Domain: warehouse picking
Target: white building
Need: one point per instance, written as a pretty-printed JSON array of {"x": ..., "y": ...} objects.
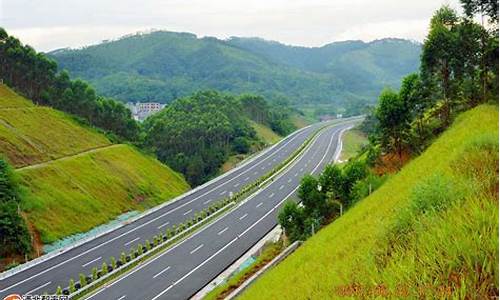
[{"x": 142, "y": 110}]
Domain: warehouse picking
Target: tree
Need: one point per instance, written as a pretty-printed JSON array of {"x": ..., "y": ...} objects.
[
  {"x": 393, "y": 116},
  {"x": 14, "y": 234},
  {"x": 438, "y": 54},
  {"x": 291, "y": 218},
  {"x": 331, "y": 180},
  {"x": 482, "y": 7},
  {"x": 416, "y": 97},
  {"x": 312, "y": 198}
]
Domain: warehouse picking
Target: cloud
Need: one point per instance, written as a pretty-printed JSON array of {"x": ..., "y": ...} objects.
[{"x": 50, "y": 24}]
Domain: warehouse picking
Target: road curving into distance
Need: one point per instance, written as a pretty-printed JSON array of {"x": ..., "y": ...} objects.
[
  {"x": 182, "y": 270},
  {"x": 57, "y": 270}
]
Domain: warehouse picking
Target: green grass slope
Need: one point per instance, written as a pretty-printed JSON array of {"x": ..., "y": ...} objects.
[
  {"x": 430, "y": 232},
  {"x": 30, "y": 134},
  {"x": 99, "y": 185},
  {"x": 75, "y": 178}
]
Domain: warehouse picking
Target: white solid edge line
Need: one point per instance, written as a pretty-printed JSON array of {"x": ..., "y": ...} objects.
[
  {"x": 137, "y": 227},
  {"x": 269, "y": 151},
  {"x": 208, "y": 226},
  {"x": 244, "y": 232}
]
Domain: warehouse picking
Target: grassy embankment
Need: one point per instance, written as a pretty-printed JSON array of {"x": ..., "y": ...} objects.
[
  {"x": 431, "y": 231},
  {"x": 78, "y": 179},
  {"x": 264, "y": 134},
  {"x": 352, "y": 141}
]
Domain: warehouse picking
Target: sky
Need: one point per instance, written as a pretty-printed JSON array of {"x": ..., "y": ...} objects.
[{"x": 52, "y": 24}]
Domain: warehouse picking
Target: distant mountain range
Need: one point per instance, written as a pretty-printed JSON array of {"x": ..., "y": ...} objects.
[{"x": 161, "y": 66}]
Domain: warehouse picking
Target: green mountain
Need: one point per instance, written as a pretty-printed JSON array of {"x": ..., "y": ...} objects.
[{"x": 162, "y": 66}]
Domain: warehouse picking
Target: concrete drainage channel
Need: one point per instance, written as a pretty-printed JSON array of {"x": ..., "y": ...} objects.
[{"x": 162, "y": 242}]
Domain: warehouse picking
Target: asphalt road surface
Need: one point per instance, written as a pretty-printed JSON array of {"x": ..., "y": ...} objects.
[
  {"x": 181, "y": 271},
  {"x": 56, "y": 271}
]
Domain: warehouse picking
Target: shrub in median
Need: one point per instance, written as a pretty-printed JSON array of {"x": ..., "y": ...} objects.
[
  {"x": 83, "y": 280},
  {"x": 71, "y": 287}
]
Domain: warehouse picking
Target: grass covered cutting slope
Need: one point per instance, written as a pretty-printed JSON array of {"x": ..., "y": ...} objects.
[
  {"x": 99, "y": 186},
  {"x": 31, "y": 134},
  {"x": 431, "y": 231},
  {"x": 75, "y": 178},
  {"x": 265, "y": 133}
]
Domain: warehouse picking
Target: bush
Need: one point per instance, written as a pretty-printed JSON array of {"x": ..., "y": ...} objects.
[
  {"x": 71, "y": 287},
  {"x": 83, "y": 280},
  {"x": 59, "y": 291},
  {"x": 113, "y": 262},
  {"x": 95, "y": 276},
  {"x": 123, "y": 258},
  {"x": 104, "y": 268}
]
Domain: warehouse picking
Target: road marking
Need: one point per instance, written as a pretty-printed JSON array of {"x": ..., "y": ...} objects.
[
  {"x": 37, "y": 288},
  {"x": 269, "y": 163},
  {"x": 298, "y": 133},
  {"x": 258, "y": 205},
  {"x": 190, "y": 238},
  {"x": 236, "y": 185},
  {"x": 272, "y": 194},
  {"x": 244, "y": 216},
  {"x": 305, "y": 165},
  {"x": 196, "y": 249},
  {"x": 246, "y": 179},
  {"x": 128, "y": 243},
  {"x": 296, "y": 174},
  {"x": 222, "y": 193},
  {"x": 189, "y": 211},
  {"x": 122, "y": 297},
  {"x": 289, "y": 180},
  {"x": 274, "y": 159},
  {"x": 223, "y": 248},
  {"x": 222, "y": 231},
  {"x": 208, "y": 201},
  {"x": 94, "y": 260},
  {"x": 163, "y": 225},
  {"x": 281, "y": 187},
  {"x": 301, "y": 169},
  {"x": 161, "y": 272}
]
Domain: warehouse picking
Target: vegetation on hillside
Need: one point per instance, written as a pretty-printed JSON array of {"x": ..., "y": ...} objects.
[
  {"x": 163, "y": 66},
  {"x": 14, "y": 235},
  {"x": 66, "y": 170},
  {"x": 30, "y": 134},
  {"x": 38, "y": 78},
  {"x": 100, "y": 186},
  {"x": 459, "y": 70},
  {"x": 196, "y": 135},
  {"x": 431, "y": 231}
]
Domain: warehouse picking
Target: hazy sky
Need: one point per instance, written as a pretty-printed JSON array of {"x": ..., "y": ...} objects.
[{"x": 51, "y": 24}]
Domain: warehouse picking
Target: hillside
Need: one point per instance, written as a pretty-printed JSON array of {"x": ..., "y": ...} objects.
[
  {"x": 431, "y": 231},
  {"x": 70, "y": 171},
  {"x": 162, "y": 66}
]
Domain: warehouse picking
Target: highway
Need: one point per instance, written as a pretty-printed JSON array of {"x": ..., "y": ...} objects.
[
  {"x": 56, "y": 271},
  {"x": 182, "y": 270}
]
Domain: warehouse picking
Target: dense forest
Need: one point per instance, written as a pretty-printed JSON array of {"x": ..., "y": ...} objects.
[
  {"x": 458, "y": 71},
  {"x": 195, "y": 135},
  {"x": 162, "y": 66}
]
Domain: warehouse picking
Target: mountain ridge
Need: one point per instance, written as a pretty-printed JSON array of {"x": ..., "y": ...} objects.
[{"x": 164, "y": 65}]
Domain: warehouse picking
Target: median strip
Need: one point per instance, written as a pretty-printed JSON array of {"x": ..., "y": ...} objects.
[{"x": 175, "y": 234}]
